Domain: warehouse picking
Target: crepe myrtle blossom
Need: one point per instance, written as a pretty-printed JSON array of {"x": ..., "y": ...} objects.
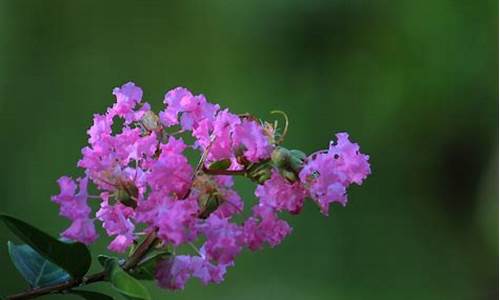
[{"x": 146, "y": 185}]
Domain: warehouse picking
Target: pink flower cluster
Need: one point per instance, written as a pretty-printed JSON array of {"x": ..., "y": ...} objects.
[{"x": 146, "y": 181}]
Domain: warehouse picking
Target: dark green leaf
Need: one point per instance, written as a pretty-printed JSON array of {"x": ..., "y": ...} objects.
[
  {"x": 34, "y": 268},
  {"x": 220, "y": 164},
  {"x": 74, "y": 258},
  {"x": 88, "y": 295},
  {"x": 145, "y": 270},
  {"x": 125, "y": 284}
]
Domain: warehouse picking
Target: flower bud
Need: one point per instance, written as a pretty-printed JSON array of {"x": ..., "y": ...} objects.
[
  {"x": 295, "y": 164},
  {"x": 289, "y": 175},
  {"x": 125, "y": 198},
  {"x": 296, "y": 161},
  {"x": 150, "y": 121},
  {"x": 298, "y": 154},
  {"x": 260, "y": 173},
  {"x": 280, "y": 157},
  {"x": 263, "y": 175},
  {"x": 127, "y": 195},
  {"x": 208, "y": 204}
]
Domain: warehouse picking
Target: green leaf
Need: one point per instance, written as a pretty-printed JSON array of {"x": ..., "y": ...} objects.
[
  {"x": 34, "y": 268},
  {"x": 220, "y": 164},
  {"x": 89, "y": 295},
  {"x": 145, "y": 270},
  {"x": 125, "y": 284},
  {"x": 74, "y": 258}
]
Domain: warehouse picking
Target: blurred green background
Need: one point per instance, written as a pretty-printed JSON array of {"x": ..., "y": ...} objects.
[{"x": 414, "y": 82}]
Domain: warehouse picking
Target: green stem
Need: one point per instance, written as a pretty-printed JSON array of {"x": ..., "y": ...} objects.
[{"x": 224, "y": 172}]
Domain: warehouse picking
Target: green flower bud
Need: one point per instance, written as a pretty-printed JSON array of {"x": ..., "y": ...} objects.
[
  {"x": 280, "y": 157},
  {"x": 208, "y": 205},
  {"x": 298, "y": 154},
  {"x": 296, "y": 164},
  {"x": 260, "y": 173},
  {"x": 150, "y": 121},
  {"x": 124, "y": 197},
  {"x": 263, "y": 175},
  {"x": 288, "y": 175}
]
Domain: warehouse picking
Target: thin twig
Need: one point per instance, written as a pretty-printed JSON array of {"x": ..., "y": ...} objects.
[
  {"x": 203, "y": 157},
  {"x": 285, "y": 129},
  {"x": 224, "y": 172}
]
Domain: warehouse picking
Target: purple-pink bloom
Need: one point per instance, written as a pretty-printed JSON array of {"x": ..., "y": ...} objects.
[
  {"x": 264, "y": 227},
  {"x": 220, "y": 141},
  {"x": 100, "y": 128},
  {"x": 81, "y": 230},
  {"x": 145, "y": 181},
  {"x": 207, "y": 272},
  {"x": 127, "y": 97},
  {"x": 177, "y": 100},
  {"x": 232, "y": 203},
  {"x": 327, "y": 175},
  {"x": 116, "y": 220},
  {"x": 224, "y": 239},
  {"x": 280, "y": 194},
  {"x": 176, "y": 220},
  {"x": 147, "y": 209},
  {"x": 173, "y": 273},
  {"x": 193, "y": 109},
  {"x": 171, "y": 173},
  {"x": 74, "y": 206},
  {"x": 249, "y": 137}
]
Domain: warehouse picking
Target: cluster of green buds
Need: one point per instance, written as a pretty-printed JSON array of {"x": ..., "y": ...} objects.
[{"x": 288, "y": 162}]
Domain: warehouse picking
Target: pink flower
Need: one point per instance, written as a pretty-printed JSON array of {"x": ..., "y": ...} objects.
[
  {"x": 127, "y": 96},
  {"x": 146, "y": 182},
  {"x": 193, "y": 109},
  {"x": 173, "y": 273},
  {"x": 200, "y": 110},
  {"x": 100, "y": 128},
  {"x": 176, "y": 221},
  {"x": 224, "y": 239},
  {"x": 280, "y": 194},
  {"x": 143, "y": 148},
  {"x": 74, "y": 207},
  {"x": 177, "y": 100},
  {"x": 81, "y": 230},
  {"x": 327, "y": 175},
  {"x": 171, "y": 173},
  {"x": 222, "y": 144},
  {"x": 121, "y": 243},
  {"x": 147, "y": 210},
  {"x": 206, "y": 271},
  {"x": 116, "y": 221},
  {"x": 249, "y": 136},
  {"x": 231, "y": 205},
  {"x": 263, "y": 227}
]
